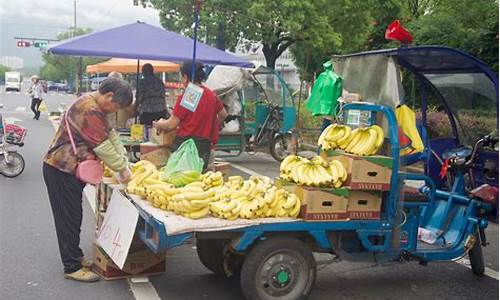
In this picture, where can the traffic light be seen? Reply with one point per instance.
(41, 44)
(23, 44)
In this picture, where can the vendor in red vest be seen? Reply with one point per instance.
(197, 114)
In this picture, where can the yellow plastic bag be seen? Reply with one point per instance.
(408, 125)
(43, 107)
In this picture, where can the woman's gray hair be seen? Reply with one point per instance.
(115, 74)
(122, 92)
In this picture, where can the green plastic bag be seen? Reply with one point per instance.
(326, 90)
(184, 165)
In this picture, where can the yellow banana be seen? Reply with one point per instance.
(354, 140)
(361, 142)
(334, 173)
(325, 133)
(198, 214)
(296, 209)
(340, 169)
(290, 201)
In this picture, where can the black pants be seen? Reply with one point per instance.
(65, 195)
(204, 147)
(148, 118)
(35, 107)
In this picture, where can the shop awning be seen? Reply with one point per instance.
(126, 65)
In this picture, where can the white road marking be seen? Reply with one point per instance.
(21, 108)
(487, 271)
(143, 290)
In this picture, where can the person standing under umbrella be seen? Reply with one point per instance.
(150, 97)
(202, 124)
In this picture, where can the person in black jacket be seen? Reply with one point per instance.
(150, 97)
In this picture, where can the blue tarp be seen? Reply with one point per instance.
(143, 41)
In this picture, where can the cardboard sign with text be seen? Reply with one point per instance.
(118, 228)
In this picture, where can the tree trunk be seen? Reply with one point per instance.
(270, 55)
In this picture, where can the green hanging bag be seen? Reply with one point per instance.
(326, 90)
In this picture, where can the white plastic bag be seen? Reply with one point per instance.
(231, 126)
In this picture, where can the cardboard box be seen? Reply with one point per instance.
(364, 172)
(322, 204)
(164, 138)
(364, 205)
(140, 261)
(154, 153)
(222, 167)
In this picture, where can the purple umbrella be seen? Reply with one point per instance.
(143, 41)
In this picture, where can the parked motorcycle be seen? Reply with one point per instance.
(11, 162)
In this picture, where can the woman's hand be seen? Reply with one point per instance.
(125, 175)
(160, 125)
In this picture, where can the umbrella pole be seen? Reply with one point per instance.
(197, 7)
(136, 86)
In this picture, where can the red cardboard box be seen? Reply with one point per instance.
(364, 172)
(363, 205)
(222, 167)
(140, 261)
(322, 204)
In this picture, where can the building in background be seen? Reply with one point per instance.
(284, 65)
(13, 62)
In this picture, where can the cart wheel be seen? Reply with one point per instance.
(14, 167)
(279, 267)
(281, 146)
(476, 257)
(211, 254)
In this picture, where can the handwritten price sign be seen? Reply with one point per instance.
(118, 228)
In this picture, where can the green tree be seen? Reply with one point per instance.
(277, 25)
(350, 21)
(3, 69)
(60, 67)
(471, 26)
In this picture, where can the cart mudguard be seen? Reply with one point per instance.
(246, 240)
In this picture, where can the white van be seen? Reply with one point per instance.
(13, 81)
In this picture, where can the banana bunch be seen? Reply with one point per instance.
(334, 136)
(212, 179)
(141, 171)
(244, 204)
(314, 172)
(365, 141)
(192, 201)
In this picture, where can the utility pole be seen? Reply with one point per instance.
(78, 81)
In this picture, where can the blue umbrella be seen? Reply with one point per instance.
(143, 41)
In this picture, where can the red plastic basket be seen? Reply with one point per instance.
(14, 133)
